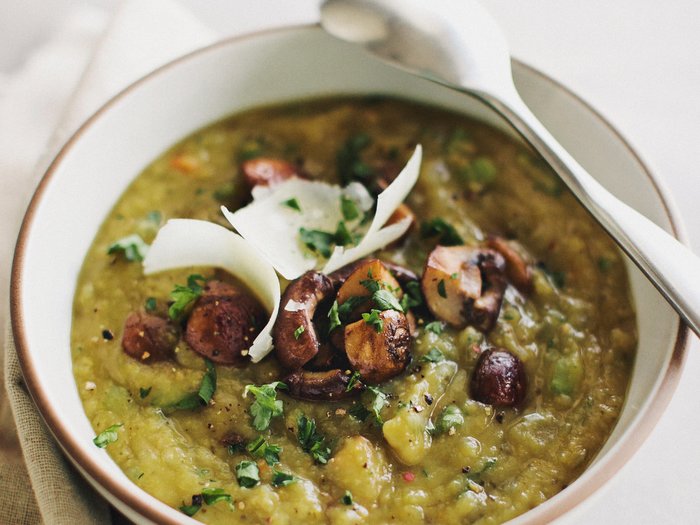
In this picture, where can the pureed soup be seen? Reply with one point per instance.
(464, 373)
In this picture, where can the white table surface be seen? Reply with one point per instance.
(638, 63)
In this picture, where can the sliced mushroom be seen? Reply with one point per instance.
(499, 378)
(294, 334)
(401, 274)
(379, 355)
(331, 385)
(223, 323)
(464, 285)
(518, 271)
(148, 337)
(263, 171)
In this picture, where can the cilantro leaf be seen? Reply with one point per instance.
(266, 405)
(446, 233)
(132, 247)
(247, 474)
(107, 436)
(311, 441)
(184, 296)
(282, 479)
(260, 448)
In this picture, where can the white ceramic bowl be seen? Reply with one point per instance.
(104, 156)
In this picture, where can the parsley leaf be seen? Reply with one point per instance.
(349, 161)
(143, 392)
(247, 474)
(150, 304)
(192, 509)
(347, 498)
(441, 289)
(342, 235)
(380, 401)
(212, 496)
(334, 317)
(300, 330)
(354, 378)
(311, 441)
(450, 417)
(446, 233)
(260, 448)
(412, 296)
(435, 327)
(132, 247)
(184, 296)
(266, 405)
(359, 411)
(107, 436)
(317, 241)
(433, 356)
(349, 208)
(292, 203)
(385, 300)
(374, 320)
(206, 391)
(282, 479)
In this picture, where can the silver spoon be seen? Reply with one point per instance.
(458, 44)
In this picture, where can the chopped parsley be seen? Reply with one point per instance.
(446, 233)
(132, 247)
(374, 320)
(435, 327)
(266, 405)
(334, 317)
(354, 378)
(184, 296)
(143, 392)
(282, 479)
(412, 296)
(347, 498)
(206, 391)
(349, 208)
(349, 162)
(317, 241)
(247, 474)
(342, 235)
(292, 203)
(212, 496)
(385, 300)
(433, 356)
(380, 401)
(604, 264)
(150, 304)
(260, 448)
(441, 288)
(300, 330)
(451, 417)
(107, 436)
(191, 510)
(311, 441)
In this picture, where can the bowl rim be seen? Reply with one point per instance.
(124, 493)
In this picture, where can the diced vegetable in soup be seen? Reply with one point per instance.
(464, 368)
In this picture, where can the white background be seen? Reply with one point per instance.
(638, 63)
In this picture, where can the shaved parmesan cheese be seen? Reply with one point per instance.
(387, 202)
(274, 229)
(187, 242)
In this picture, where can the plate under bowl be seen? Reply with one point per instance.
(104, 156)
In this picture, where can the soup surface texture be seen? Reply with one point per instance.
(418, 448)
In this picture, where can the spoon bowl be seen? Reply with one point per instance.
(458, 44)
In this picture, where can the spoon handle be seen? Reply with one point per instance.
(669, 265)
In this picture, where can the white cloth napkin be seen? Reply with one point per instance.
(40, 107)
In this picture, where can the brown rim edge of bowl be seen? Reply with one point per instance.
(144, 506)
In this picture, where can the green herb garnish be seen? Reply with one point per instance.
(311, 441)
(347, 498)
(192, 509)
(143, 392)
(412, 296)
(282, 479)
(132, 247)
(206, 391)
(385, 300)
(433, 356)
(266, 405)
(446, 233)
(247, 474)
(317, 241)
(441, 288)
(184, 296)
(374, 320)
(349, 161)
(349, 208)
(300, 330)
(342, 235)
(260, 448)
(354, 378)
(451, 417)
(334, 317)
(292, 203)
(380, 401)
(107, 436)
(150, 304)
(212, 496)
(435, 327)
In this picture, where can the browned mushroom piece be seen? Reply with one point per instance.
(499, 378)
(263, 171)
(148, 337)
(223, 323)
(331, 385)
(518, 271)
(464, 285)
(294, 334)
(379, 354)
(358, 283)
(401, 274)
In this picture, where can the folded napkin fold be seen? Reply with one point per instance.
(37, 484)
